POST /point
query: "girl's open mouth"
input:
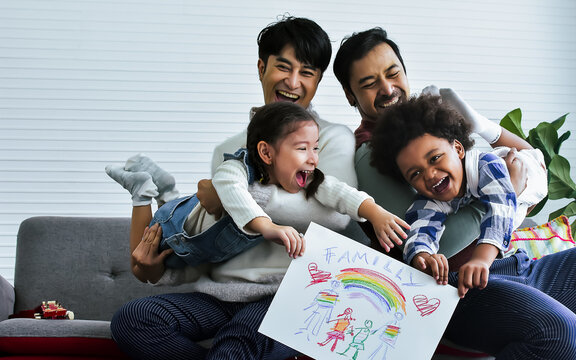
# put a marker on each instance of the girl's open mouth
(301, 177)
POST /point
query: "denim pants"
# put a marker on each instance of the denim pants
(527, 310)
(220, 242)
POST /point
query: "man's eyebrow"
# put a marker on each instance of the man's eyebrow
(306, 66)
(370, 77)
(284, 60)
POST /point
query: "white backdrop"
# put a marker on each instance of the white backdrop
(85, 83)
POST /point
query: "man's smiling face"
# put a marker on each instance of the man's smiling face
(377, 81)
(284, 78)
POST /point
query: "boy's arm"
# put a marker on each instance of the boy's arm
(426, 219)
(474, 273)
(497, 194)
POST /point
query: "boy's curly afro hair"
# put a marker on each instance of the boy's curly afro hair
(407, 121)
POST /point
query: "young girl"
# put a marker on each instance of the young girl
(427, 144)
(282, 151)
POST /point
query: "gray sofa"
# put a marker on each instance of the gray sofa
(84, 264)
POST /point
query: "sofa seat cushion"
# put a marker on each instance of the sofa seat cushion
(58, 337)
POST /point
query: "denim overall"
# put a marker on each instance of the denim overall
(220, 242)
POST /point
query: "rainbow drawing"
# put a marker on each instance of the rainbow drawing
(360, 281)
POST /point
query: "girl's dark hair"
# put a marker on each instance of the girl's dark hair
(407, 121)
(271, 123)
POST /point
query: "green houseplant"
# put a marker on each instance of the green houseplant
(545, 137)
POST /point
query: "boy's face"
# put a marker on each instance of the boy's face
(433, 166)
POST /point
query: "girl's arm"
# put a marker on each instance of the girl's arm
(387, 226)
(230, 181)
(292, 240)
(231, 184)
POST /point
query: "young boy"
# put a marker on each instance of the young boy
(427, 144)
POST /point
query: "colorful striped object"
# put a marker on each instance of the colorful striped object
(542, 240)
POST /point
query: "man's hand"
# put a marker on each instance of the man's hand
(209, 199)
(517, 170)
(148, 263)
(435, 265)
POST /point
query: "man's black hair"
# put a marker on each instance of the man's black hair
(311, 43)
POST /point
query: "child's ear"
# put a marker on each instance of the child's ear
(459, 149)
(265, 151)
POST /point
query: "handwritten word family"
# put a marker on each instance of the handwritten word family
(337, 256)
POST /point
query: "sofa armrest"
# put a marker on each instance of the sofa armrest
(7, 298)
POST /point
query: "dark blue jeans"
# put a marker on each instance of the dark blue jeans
(220, 242)
(527, 311)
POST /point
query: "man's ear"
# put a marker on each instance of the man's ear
(351, 98)
(261, 68)
(265, 151)
(459, 149)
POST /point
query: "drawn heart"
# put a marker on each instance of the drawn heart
(424, 305)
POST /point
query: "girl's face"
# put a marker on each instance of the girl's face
(293, 158)
(433, 166)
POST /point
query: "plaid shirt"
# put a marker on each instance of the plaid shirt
(494, 191)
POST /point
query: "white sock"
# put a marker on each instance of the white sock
(138, 184)
(164, 181)
(488, 130)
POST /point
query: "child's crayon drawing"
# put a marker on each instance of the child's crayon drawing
(345, 300)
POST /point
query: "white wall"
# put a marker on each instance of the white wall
(85, 83)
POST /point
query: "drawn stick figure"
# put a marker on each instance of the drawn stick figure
(343, 321)
(358, 340)
(320, 310)
(388, 337)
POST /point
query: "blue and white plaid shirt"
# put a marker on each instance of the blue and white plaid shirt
(494, 191)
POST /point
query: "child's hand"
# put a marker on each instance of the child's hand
(387, 227)
(432, 264)
(472, 274)
(287, 236)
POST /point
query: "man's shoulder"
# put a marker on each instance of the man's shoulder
(233, 143)
(331, 127)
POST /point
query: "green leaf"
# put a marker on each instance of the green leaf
(561, 139)
(512, 122)
(560, 184)
(554, 214)
(544, 137)
(559, 122)
(538, 207)
(568, 210)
